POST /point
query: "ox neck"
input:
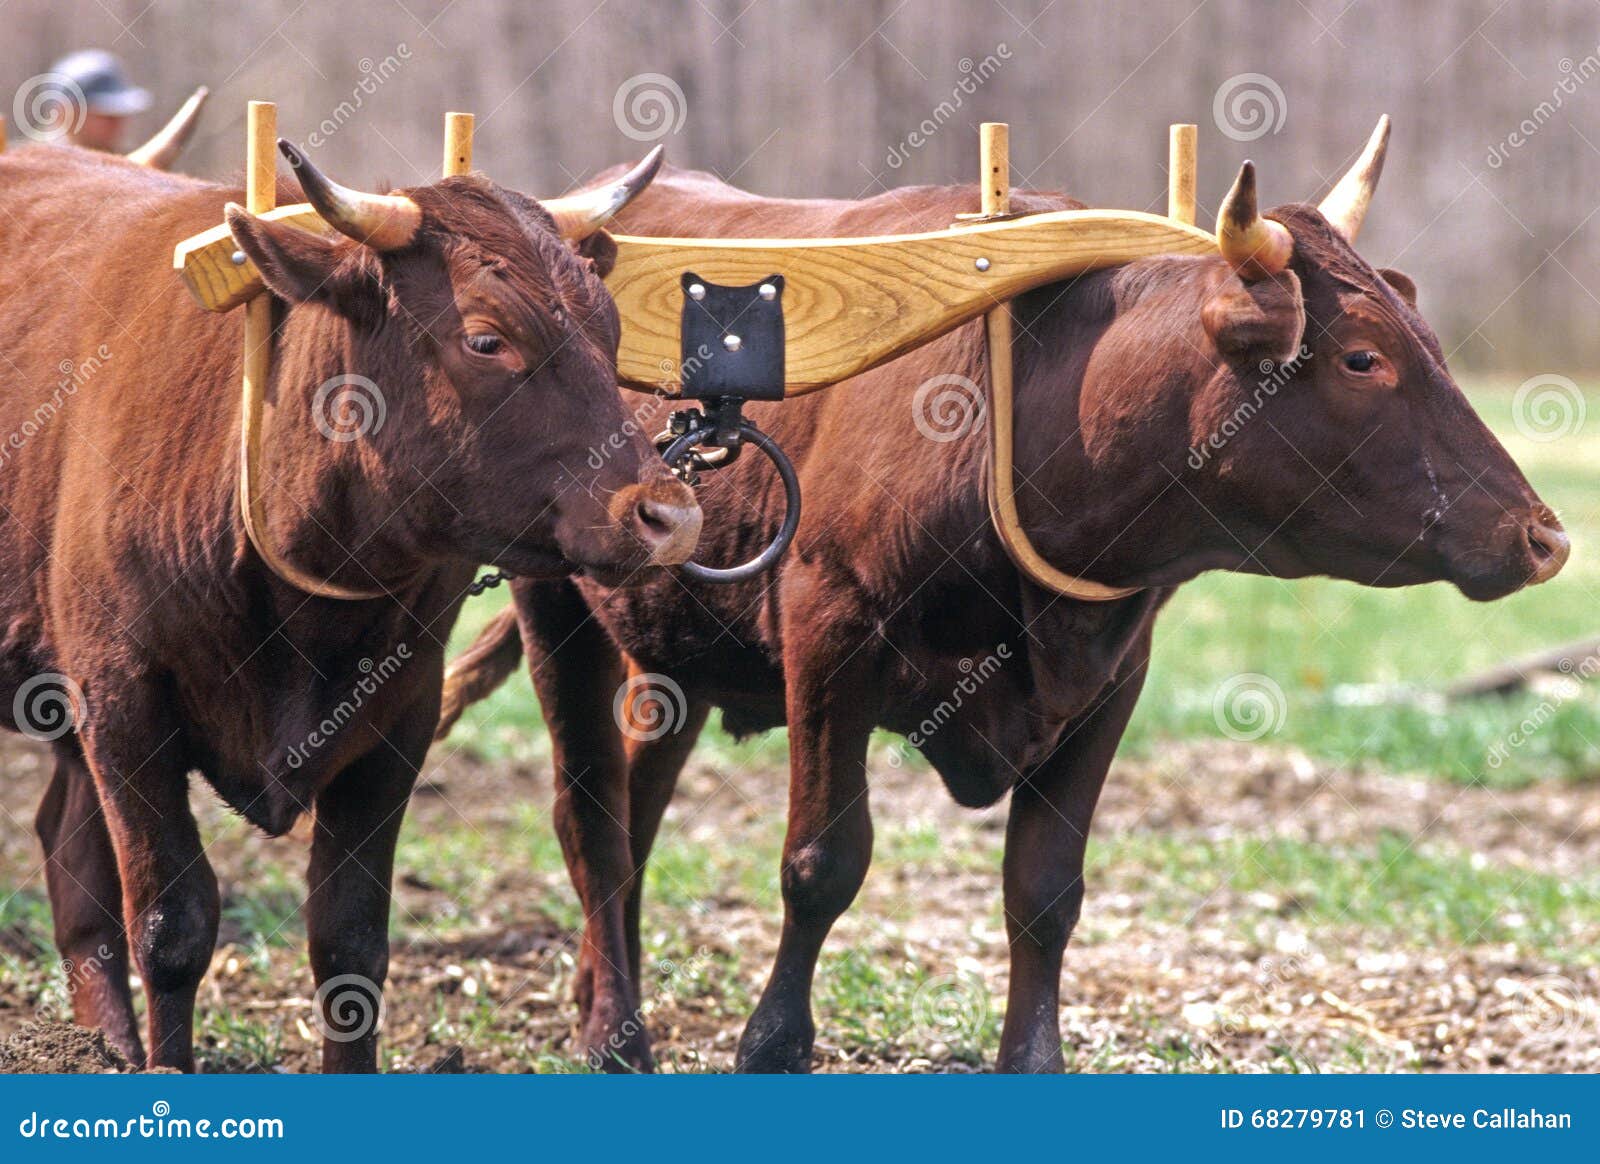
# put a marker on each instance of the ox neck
(1100, 486)
(332, 506)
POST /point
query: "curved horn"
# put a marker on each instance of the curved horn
(385, 222)
(580, 215)
(1255, 247)
(1346, 204)
(163, 149)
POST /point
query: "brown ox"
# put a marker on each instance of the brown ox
(143, 634)
(1367, 463)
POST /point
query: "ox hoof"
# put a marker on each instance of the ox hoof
(775, 1047)
(616, 1047)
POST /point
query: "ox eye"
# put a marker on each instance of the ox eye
(485, 343)
(1361, 361)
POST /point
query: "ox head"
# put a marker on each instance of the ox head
(1330, 437)
(476, 321)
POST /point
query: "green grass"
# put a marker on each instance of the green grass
(1391, 885)
(1319, 641)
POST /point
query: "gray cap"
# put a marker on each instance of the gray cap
(103, 82)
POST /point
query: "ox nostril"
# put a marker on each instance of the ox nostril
(1549, 546)
(669, 525)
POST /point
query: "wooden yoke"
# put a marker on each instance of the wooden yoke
(260, 196)
(994, 152)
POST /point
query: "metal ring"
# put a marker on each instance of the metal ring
(768, 557)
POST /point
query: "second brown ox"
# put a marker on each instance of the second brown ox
(1145, 464)
(144, 636)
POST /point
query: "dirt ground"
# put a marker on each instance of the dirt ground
(1197, 951)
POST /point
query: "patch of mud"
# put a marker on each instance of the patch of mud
(54, 1048)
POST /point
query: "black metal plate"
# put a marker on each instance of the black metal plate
(708, 368)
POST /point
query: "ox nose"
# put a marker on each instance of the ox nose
(666, 518)
(1548, 546)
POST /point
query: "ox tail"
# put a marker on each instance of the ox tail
(487, 663)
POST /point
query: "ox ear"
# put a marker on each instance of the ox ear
(1402, 284)
(601, 251)
(296, 265)
(1261, 319)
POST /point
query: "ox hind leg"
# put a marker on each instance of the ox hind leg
(1046, 837)
(578, 672)
(86, 901)
(828, 845)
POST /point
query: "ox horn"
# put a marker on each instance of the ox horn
(163, 149)
(1255, 247)
(1345, 207)
(580, 215)
(385, 222)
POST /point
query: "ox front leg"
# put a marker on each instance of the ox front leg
(170, 905)
(80, 870)
(1046, 837)
(350, 878)
(826, 850)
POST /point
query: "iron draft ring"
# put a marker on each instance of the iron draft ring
(768, 557)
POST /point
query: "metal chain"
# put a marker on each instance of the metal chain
(488, 582)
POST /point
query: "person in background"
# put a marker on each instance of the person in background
(108, 99)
